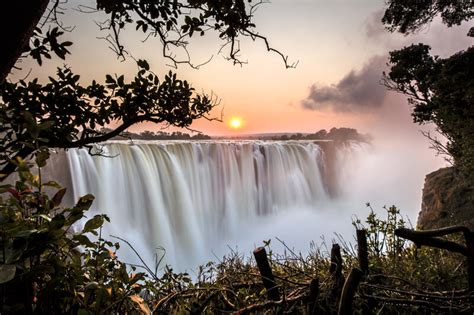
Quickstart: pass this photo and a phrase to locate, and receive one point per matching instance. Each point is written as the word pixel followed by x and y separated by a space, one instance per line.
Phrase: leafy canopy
pixel 407 16
pixel 173 22
pixel 65 114
pixel 439 90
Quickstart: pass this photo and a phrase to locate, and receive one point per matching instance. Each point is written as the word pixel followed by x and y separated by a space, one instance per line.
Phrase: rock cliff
pixel 447 200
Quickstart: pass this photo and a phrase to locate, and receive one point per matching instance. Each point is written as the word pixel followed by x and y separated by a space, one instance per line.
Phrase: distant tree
pixel 200 136
pixel 296 136
pixel 321 134
pixel 147 135
pixel 63 113
pixel 342 134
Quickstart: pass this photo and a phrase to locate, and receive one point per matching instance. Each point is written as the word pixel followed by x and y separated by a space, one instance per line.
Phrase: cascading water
pixel 191 198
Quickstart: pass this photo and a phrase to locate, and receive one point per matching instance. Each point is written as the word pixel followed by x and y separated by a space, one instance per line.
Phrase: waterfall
pixel 190 197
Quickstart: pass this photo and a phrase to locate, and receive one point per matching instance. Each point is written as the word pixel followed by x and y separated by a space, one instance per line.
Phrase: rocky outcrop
pixel 447 200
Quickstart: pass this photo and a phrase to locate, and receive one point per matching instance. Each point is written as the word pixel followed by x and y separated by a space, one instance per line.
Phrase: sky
pixel 340 47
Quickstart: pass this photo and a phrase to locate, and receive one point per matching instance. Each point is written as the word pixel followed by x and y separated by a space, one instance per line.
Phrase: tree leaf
pixel 93 224
pixel 53 184
pixel 7 273
pixel 57 222
pixel 41 157
pixel 83 240
pixel 143 64
pixel 26 233
pixel 85 202
pixel 44 216
pixel 141 303
pixel 58 197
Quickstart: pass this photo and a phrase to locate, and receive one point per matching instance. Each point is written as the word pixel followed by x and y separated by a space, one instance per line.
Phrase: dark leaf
pixel 58 197
pixel 96 222
pixel 7 273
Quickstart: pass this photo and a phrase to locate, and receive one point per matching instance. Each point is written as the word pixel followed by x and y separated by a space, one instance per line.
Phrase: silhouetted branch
pixel 424 238
pixel 423 303
pixel 260 306
pixel 348 291
pixel 439 146
pixel 266 273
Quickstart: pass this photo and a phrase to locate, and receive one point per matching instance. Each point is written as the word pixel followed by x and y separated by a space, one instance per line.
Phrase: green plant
pixel 422 268
pixel 382 240
pixel 47 267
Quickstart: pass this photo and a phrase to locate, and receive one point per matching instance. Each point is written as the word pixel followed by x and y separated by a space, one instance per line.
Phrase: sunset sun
pixel 235 123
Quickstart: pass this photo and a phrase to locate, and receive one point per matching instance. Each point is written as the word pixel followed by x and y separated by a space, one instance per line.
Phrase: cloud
pixel 358 91
pixel 444 40
pixel 374 27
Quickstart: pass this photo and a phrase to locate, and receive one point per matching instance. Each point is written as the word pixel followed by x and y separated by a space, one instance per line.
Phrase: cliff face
pixel 447 200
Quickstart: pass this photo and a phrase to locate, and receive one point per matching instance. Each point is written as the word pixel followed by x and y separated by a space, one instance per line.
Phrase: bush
pixel 46 266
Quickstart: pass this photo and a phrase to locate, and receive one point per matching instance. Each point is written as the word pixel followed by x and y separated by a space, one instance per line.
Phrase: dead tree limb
pixel 266 273
pixel 362 252
pixel 426 238
pixel 348 291
pixel 429 238
pixel 313 296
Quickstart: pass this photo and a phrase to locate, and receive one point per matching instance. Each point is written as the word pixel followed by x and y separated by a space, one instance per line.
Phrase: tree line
pixel 336 134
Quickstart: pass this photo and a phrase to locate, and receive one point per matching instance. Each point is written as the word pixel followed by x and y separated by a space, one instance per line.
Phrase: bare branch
pixel 439 146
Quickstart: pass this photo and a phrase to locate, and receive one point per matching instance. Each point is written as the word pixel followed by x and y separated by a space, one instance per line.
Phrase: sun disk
pixel 235 123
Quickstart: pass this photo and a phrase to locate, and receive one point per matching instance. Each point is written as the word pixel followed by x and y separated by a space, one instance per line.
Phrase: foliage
pixel 49 265
pixel 65 114
pixel 174 21
pixel 407 16
pixel 382 240
pixel 397 258
pixel 41 45
pixel 40 31
pixel 441 91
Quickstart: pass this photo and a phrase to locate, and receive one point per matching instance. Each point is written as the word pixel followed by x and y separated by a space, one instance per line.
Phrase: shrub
pixel 47 267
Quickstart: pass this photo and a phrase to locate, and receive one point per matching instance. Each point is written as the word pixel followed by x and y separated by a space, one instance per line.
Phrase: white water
pixel 195 198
